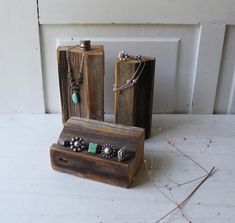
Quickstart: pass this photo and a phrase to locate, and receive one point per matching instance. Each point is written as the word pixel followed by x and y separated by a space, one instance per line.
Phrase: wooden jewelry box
pixel 92 165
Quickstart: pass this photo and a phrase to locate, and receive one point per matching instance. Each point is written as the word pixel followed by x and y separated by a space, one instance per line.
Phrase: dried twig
pixel 188 197
pixel 173 144
pixel 180 209
pixel 172 200
pixel 188 182
pixel 165 195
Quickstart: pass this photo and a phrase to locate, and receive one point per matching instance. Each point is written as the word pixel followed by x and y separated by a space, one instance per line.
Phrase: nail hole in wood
pixel 62 160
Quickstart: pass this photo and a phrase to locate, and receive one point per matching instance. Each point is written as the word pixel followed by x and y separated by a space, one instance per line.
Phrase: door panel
pixel 21 89
pixel 132 11
pixel 187 38
pixel 173 47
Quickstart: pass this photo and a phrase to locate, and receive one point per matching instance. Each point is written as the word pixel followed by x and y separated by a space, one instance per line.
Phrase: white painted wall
pixel 21 88
pixel 193 42
pixel 137 12
pixel 225 100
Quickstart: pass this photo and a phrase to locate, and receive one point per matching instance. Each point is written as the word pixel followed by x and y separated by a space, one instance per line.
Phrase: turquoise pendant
pixel 75 97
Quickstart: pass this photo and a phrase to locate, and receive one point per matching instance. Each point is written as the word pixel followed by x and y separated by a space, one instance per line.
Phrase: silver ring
pixel 77 144
pixel 108 151
pixel 123 154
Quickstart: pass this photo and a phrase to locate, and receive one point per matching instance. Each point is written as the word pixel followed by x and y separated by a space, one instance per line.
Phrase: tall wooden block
pixel 95 166
pixel 133 106
pixel 92 88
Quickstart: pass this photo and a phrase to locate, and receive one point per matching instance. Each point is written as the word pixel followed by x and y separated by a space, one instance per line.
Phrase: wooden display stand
pixel 92 88
pixel 94 166
pixel 133 106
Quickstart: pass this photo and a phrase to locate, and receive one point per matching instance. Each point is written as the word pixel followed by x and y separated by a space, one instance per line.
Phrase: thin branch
pixel 188 197
pixel 180 209
pixel 173 144
pixel 165 195
pixel 188 182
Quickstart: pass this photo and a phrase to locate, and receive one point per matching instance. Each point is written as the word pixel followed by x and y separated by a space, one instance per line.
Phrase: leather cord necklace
pixel 76 85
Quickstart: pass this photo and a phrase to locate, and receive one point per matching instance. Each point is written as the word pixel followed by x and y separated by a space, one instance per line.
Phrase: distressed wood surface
pixel 92 88
pixel 94 166
pixel 133 106
pixel 31 191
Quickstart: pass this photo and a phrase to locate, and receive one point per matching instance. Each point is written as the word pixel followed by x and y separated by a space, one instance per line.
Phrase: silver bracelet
pixel 123 56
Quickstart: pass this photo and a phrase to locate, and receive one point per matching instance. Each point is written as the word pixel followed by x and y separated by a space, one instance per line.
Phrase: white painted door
pixel 187 38
pixel 21 87
pixel 193 42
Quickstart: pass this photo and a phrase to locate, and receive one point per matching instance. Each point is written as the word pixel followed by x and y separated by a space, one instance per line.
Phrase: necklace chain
pixel 75 86
pixel 123 56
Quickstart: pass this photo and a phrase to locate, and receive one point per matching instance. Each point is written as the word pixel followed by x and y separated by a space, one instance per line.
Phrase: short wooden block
pixel 94 166
pixel 92 88
pixel 133 106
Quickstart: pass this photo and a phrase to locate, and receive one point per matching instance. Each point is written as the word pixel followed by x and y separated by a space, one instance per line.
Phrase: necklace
pixel 75 85
pixel 123 56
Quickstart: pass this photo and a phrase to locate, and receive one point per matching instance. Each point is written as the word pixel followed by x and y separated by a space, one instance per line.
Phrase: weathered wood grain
pixel 92 88
pixel 94 166
pixel 133 106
